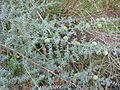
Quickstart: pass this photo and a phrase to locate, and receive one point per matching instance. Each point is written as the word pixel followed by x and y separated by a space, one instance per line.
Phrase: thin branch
pixel 40 15
pixel 38 65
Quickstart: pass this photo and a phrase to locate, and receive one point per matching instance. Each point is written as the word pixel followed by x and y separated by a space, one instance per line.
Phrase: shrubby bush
pixel 40 51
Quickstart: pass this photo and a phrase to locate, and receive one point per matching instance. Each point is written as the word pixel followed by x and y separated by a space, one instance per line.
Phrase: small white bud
pixel 99 25
pixel 105 52
pixel 87 25
pixel 47 40
pixel 95 77
pixel 65 38
pixel 103 19
pixel 97 19
pixel 65 28
pixel 94 43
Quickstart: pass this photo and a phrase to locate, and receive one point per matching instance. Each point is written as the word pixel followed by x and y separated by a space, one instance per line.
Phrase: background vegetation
pixel 59 45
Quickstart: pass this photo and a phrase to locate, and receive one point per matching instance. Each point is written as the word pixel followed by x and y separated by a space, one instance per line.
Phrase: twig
pixel 40 15
pixel 38 65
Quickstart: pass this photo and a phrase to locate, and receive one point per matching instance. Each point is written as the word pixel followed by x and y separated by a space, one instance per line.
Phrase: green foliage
pixel 53 51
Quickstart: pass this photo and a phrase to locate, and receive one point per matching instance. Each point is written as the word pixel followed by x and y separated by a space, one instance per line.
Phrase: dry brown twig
pixel 38 65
